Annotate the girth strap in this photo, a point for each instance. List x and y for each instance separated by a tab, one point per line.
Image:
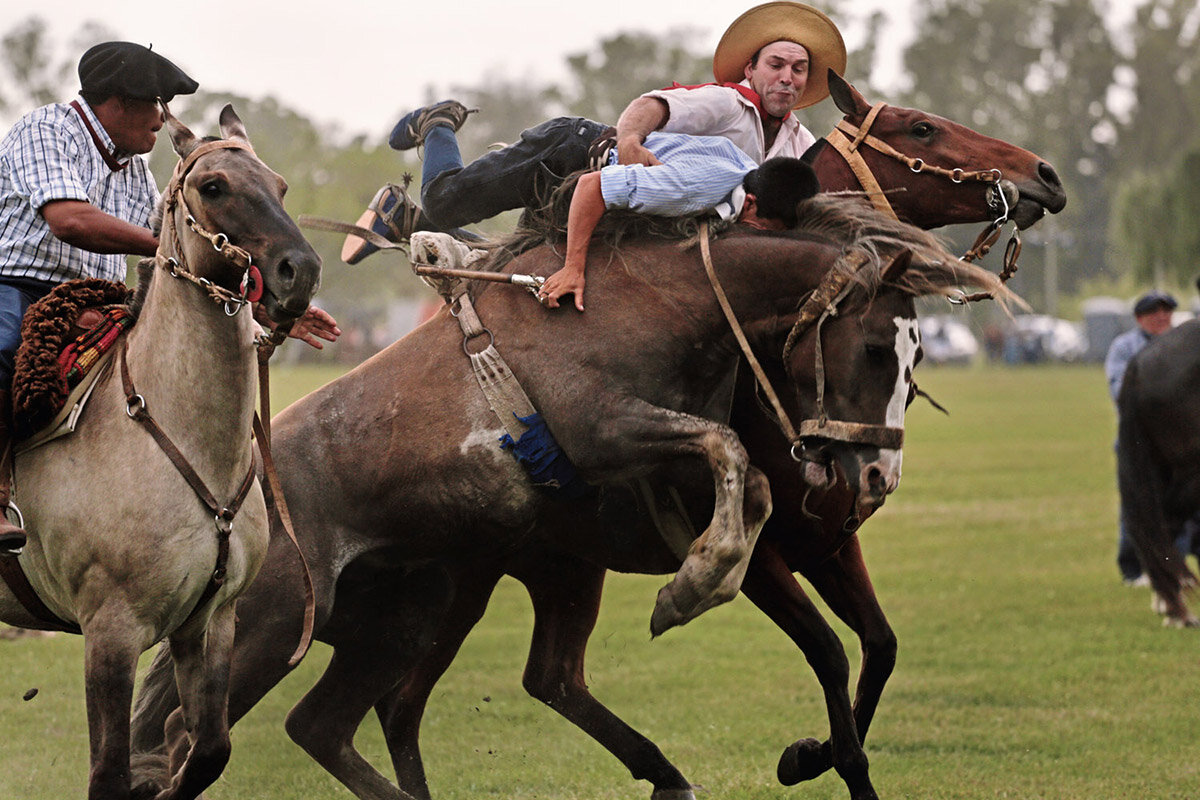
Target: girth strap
18	583
501	388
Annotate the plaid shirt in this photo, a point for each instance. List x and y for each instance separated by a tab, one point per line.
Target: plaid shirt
697	173
49	155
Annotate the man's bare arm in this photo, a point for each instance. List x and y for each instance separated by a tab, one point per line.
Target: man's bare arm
84	226
587	207
639	119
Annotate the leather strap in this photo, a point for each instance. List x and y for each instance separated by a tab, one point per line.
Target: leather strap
784	421
109	158
273	494
135	406
18	583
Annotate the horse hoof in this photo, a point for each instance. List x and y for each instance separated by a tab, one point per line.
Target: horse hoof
802	761
673	794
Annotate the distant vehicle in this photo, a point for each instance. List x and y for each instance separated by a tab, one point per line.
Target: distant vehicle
947	340
1038	337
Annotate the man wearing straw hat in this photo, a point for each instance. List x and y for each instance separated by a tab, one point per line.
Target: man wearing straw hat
772	60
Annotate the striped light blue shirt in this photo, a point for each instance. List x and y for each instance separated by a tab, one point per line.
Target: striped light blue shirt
49	155
697	173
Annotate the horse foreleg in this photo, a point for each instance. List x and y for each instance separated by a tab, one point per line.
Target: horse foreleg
716	563
771	586
407	609
401	709
111	650
566	601
202	675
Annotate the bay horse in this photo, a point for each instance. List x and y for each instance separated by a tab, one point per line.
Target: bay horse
825	549
1158	464
120	546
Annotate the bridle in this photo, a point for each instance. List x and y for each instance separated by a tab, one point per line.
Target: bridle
251	285
821	305
846	138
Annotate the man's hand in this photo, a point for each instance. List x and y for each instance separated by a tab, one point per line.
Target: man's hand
568	280
630	150
314	325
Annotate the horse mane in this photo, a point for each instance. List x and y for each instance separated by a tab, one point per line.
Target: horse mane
844	220
841	219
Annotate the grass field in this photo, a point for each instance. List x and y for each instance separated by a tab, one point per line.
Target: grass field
1026	670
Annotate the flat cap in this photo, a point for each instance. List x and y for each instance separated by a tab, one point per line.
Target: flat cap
1152	301
131	70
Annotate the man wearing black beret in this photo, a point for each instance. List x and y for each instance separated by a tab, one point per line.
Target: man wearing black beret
75	197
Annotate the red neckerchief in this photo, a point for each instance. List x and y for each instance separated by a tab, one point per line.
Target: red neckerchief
109	158
744	91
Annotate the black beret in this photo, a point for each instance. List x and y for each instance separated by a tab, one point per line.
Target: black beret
131	70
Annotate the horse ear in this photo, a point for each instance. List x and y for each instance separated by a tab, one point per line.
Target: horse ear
846	97
231	124
894	270
182	140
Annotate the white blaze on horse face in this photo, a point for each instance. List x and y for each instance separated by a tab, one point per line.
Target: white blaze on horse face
908	341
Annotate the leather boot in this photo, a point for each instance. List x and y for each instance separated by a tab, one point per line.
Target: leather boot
12	538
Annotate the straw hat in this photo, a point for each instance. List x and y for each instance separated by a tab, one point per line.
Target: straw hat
783	21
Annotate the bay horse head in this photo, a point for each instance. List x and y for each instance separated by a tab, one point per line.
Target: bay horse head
949	173
245	243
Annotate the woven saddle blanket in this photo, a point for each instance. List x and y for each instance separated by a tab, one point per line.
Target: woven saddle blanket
65	336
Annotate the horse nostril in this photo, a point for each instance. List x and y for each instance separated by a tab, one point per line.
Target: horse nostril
287	273
875	482
1048	174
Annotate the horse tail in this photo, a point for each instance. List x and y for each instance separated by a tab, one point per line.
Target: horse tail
1142	480
156	699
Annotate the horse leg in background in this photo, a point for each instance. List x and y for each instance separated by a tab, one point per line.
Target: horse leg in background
406	609
400	710
566	592
111	650
844	584
772	587
202	674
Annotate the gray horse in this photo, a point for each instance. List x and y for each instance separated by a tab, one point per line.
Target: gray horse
120	543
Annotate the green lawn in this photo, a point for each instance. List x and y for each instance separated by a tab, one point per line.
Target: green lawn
1026	669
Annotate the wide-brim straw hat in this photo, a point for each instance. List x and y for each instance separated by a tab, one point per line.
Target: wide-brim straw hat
776	22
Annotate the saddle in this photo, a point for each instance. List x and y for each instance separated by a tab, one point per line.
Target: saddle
66	337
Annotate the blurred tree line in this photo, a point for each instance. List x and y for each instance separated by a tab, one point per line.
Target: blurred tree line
1114	111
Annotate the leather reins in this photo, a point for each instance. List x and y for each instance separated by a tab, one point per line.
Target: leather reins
846	138
820	305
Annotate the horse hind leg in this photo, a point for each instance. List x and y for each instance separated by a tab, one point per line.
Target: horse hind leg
715	565
566	602
407	610
202	674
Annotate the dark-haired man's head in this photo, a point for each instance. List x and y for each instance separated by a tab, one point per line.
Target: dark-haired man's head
777	186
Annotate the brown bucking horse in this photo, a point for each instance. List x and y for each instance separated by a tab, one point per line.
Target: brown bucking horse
129	542
815	538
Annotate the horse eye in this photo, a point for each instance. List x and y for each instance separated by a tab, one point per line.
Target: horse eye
923	129
211	189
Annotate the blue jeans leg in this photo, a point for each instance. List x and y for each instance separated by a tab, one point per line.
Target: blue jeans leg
15	298
504	179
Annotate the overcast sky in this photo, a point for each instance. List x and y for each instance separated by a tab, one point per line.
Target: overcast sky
359	63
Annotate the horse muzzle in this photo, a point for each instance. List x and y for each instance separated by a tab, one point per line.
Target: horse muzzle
289	283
